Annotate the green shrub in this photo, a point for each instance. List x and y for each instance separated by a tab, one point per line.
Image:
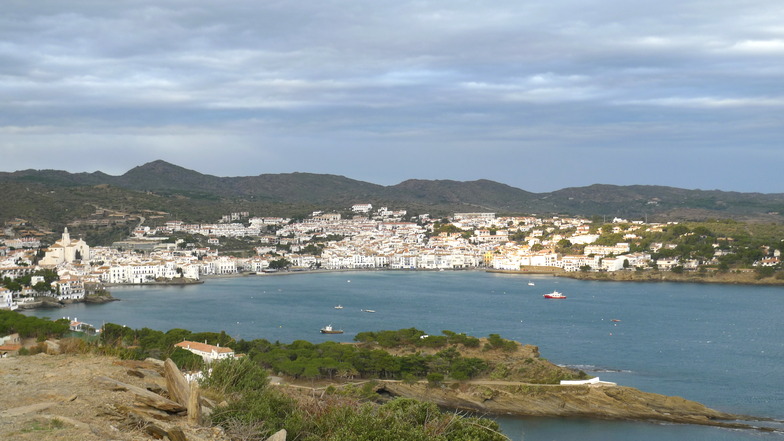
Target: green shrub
434	379
187	360
262	413
74	346
236	375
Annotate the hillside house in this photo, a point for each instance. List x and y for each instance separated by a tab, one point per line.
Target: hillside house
207	352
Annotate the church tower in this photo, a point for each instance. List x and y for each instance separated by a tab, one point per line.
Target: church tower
66	240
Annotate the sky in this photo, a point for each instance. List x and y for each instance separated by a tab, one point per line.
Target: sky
539	95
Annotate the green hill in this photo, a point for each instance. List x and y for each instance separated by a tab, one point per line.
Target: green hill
58	197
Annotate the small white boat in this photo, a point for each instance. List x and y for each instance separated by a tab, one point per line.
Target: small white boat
368	310
338	307
530	283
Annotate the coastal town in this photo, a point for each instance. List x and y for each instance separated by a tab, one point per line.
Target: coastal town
360	238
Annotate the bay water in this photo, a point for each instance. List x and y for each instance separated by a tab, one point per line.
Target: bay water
722	345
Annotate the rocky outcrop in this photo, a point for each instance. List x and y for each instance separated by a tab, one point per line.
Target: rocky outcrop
92	398
589	401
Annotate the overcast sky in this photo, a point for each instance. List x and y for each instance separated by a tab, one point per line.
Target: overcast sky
540	95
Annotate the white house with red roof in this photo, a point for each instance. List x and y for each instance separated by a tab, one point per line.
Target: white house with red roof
207	352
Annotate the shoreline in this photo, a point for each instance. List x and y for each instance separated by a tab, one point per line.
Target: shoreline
173	282
731	278
746	278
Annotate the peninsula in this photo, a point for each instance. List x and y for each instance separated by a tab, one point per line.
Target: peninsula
509	379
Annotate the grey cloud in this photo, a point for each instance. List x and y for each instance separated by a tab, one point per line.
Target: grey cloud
364	79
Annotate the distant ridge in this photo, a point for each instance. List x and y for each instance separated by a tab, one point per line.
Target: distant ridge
290	192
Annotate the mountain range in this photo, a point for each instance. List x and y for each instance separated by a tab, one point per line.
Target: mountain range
159	185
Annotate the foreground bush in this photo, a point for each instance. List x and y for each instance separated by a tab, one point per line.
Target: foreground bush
259	414
231	376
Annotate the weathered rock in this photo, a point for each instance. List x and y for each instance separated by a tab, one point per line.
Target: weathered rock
607	402
134	373
280	435
176	434
154	361
149	398
194	405
176	384
52	347
16	411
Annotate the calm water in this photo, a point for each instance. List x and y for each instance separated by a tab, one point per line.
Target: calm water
720	345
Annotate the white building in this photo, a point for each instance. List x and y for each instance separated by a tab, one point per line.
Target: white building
7	299
207	352
361	208
65	250
603	250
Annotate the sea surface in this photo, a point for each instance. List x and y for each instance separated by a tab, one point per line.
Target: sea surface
721	345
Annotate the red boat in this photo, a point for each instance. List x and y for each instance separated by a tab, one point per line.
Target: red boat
554	295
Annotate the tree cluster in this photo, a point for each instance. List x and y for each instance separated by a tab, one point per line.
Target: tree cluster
28	326
329	360
17	284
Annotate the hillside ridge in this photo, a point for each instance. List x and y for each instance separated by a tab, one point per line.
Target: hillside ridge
304	191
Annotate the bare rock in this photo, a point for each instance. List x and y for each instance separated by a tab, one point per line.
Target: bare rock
52	347
149	398
154	361
176	384
32	408
280	435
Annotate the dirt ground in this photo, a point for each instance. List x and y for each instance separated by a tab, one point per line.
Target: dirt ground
56	397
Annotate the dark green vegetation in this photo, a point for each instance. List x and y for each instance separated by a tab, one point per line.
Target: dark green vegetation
257	411
54	198
331	360
740	245
142	343
13	322
19	283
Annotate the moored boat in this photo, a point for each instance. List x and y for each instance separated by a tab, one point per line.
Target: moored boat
329	330
554	295
338	307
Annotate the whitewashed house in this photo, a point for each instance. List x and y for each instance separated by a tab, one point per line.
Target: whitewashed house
208	353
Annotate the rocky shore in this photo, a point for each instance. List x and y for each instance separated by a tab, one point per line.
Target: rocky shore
164	282
51	302
586	401
729	278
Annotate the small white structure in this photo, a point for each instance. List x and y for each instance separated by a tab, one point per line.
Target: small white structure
592	381
361	208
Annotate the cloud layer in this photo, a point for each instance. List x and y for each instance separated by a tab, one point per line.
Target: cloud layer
540	95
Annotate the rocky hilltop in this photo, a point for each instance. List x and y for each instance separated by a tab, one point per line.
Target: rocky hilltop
90	397
60	397
524	384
